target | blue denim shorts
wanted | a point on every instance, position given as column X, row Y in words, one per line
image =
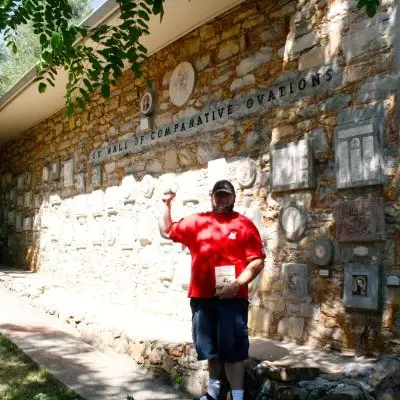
column 219, row 329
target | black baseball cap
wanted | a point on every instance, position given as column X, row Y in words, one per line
column 223, row 186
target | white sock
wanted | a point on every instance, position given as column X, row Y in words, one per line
column 237, row 394
column 214, row 387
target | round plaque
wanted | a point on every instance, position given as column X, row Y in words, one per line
column 246, row 173
column 322, row 251
column 293, row 222
column 147, row 103
column 181, row 84
column 148, row 186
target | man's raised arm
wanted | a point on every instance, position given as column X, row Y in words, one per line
column 164, row 220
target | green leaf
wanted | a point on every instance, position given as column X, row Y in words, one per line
column 81, row 103
column 14, row 48
column 361, row 4
column 70, row 109
column 56, row 40
column 105, row 91
column 144, row 15
column 47, row 57
column 42, row 87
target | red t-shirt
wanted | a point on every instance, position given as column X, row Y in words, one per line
column 217, row 240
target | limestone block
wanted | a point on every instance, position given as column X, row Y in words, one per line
column 232, row 31
column 186, row 157
column 295, row 327
column 201, row 63
column 271, row 33
column 294, row 46
column 313, row 58
column 251, row 63
column 242, row 82
column 281, row 132
column 154, row 166
column 287, row 9
column 367, row 37
column 228, row 49
column 171, row 160
column 377, row 88
column 205, row 153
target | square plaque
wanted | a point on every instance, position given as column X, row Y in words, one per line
column 358, row 154
column 18, row 222
column 295, row 281
column 27, row 199
column 360, row 220
column 361, row 286
column 69, row 173
column 55, row 170
column 97, row 175
column 292, row 166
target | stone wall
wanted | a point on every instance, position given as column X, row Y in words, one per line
column 80, row 196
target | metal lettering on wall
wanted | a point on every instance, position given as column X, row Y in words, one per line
column 358, row 155
column 286, row 89
column 360, row 220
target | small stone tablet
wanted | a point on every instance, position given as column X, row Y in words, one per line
column 322, row 251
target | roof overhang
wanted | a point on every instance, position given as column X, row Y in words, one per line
column 23, row 106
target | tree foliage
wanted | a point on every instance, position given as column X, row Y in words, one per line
column 14, row 66
column 94, row 58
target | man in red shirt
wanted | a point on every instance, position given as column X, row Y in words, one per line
column 227, row 254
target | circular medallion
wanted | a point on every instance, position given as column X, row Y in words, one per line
column 147, row 103
column 293, row 222
column 181, row 84
column 148, row 186
column 322, row 251
column 246, row 173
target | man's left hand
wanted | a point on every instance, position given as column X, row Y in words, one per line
column 226, row 292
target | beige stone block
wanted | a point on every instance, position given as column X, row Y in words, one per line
column 253, row 22
column 189, row 48
column 136, row 350
column 282, row 131
column 313, row 58
column 171, row 160
column 71, row 123
column 260, row 319
column 295, row 327
column 207, row 32
column 228, row 49
column 285, row 10
column 59, row 128
column 233, row 31
column 245, row 14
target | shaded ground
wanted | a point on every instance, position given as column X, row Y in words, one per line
column 21, row 378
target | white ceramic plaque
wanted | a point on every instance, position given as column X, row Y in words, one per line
column 148, row 186
column 128, row 188
column 181, row 84
column 246, row 172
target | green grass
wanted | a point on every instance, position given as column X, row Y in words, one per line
column 22, row 379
